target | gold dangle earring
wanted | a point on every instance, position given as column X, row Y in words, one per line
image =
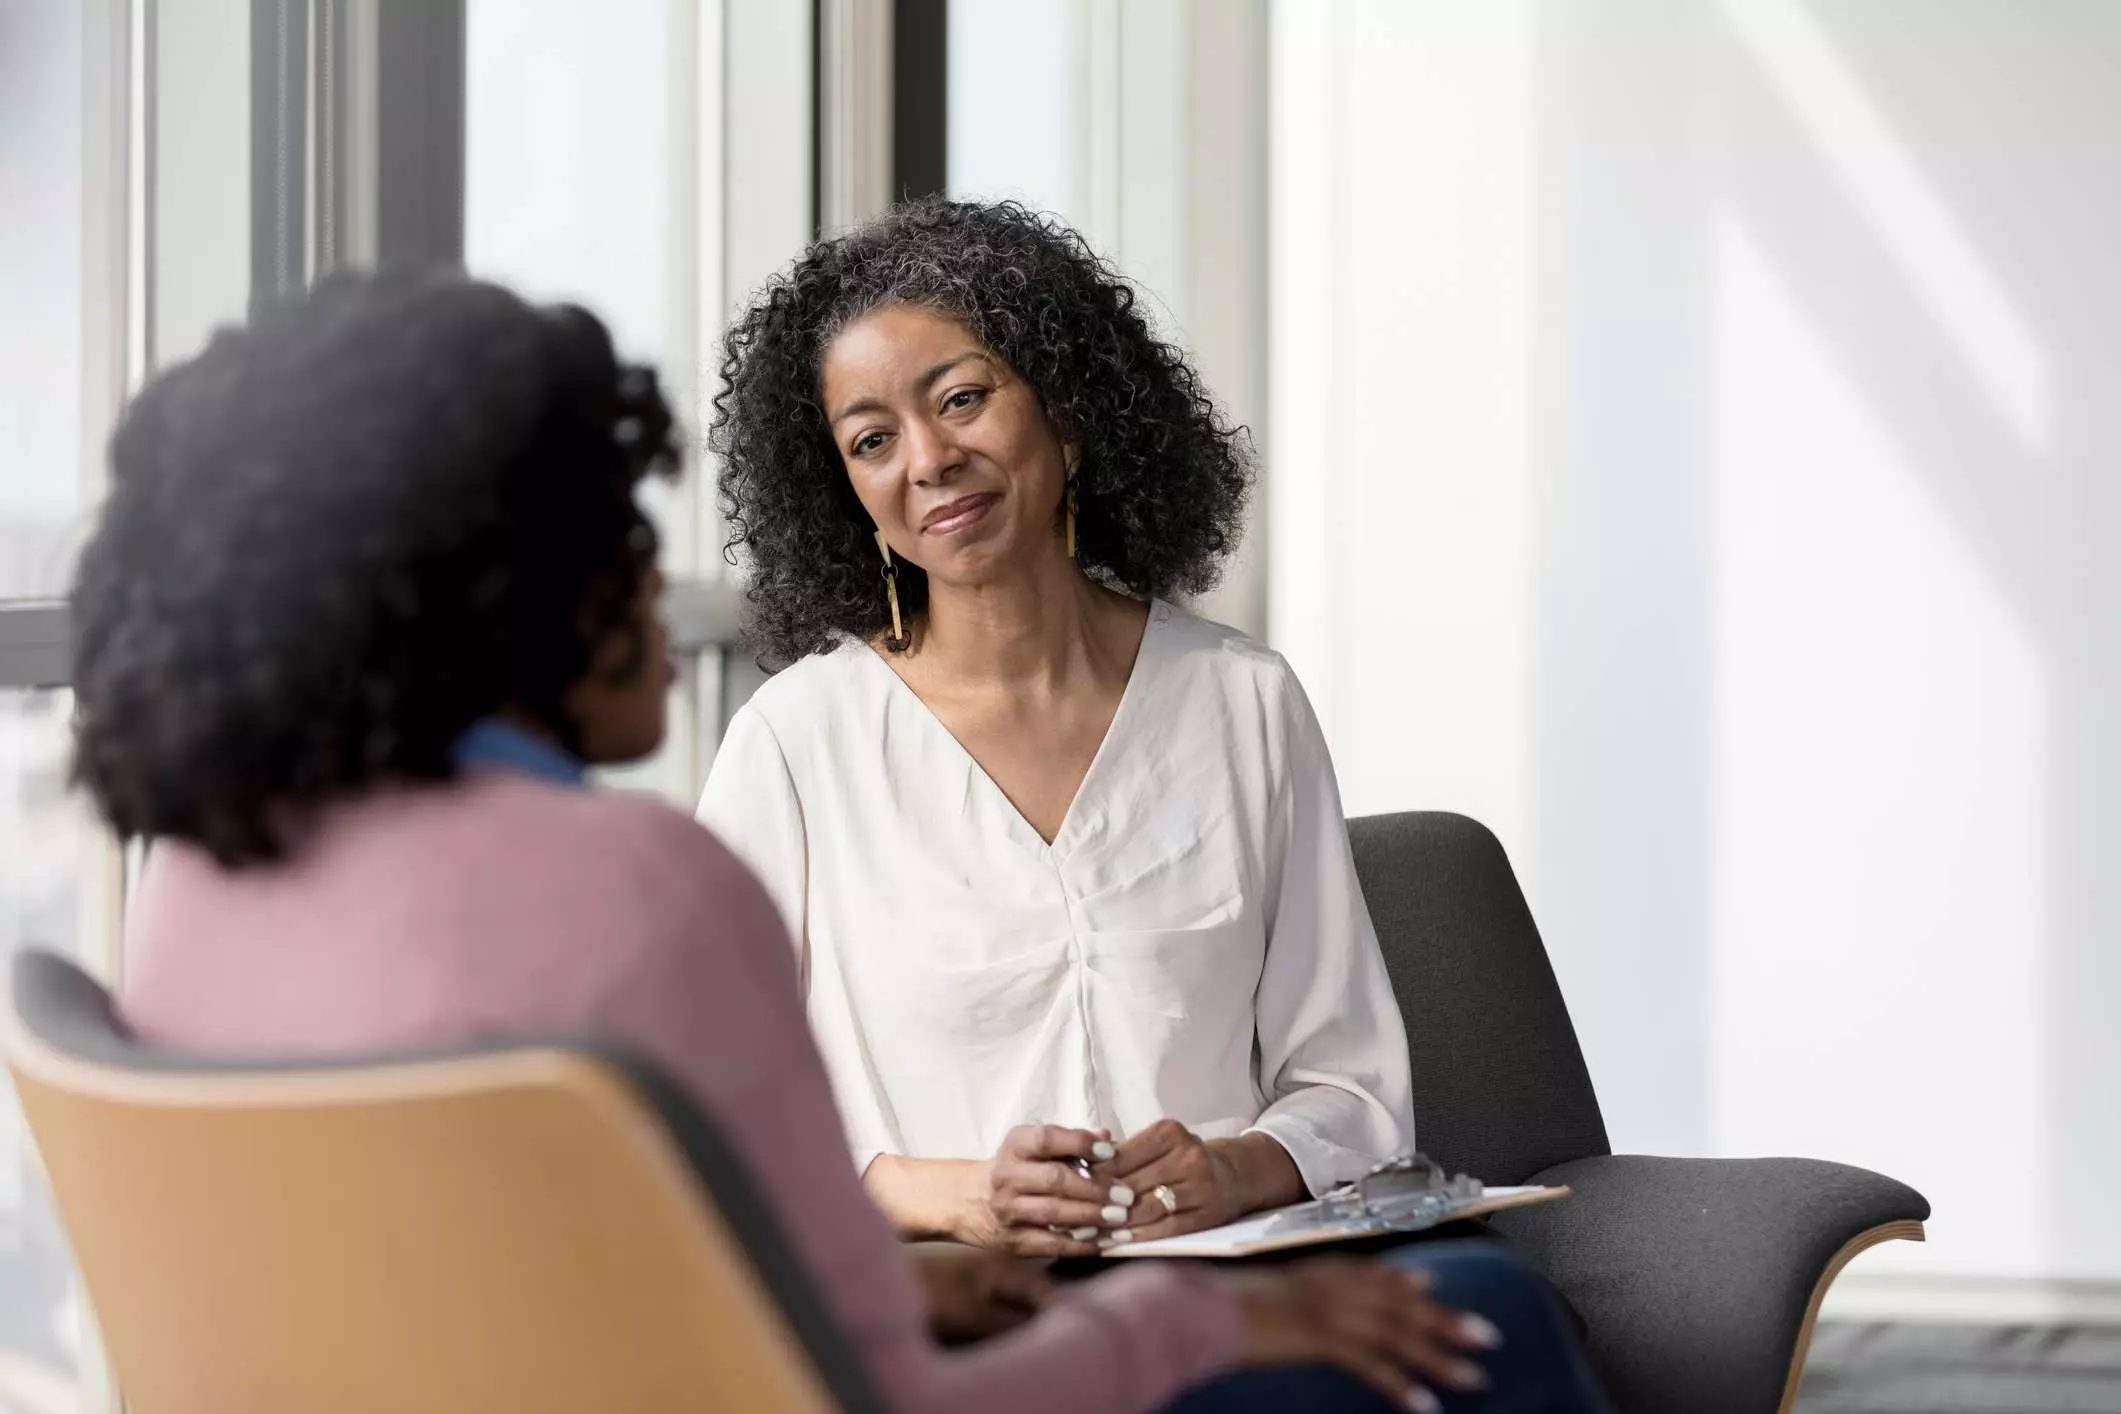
column 898, row 627
column 1071, row 513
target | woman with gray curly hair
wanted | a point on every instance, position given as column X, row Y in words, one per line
column 1065, row 861
column 1078, row 923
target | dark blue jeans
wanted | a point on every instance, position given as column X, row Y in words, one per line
column 1538, row 1370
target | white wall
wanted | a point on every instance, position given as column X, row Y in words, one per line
column 1694, row 434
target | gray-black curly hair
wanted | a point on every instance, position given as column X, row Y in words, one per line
column 1162, row 477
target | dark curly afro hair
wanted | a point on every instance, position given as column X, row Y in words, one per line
column 1162, row 479
column 342, row 534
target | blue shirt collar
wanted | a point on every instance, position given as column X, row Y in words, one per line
column 493, row 742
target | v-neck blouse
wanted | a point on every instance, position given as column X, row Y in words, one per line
column 1193, row 943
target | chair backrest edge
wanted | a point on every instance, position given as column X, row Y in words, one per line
column 1498, row 1067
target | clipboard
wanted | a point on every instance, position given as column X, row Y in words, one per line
column 1303, row 1225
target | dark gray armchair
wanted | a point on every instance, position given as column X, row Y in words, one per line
column 1699, row 1279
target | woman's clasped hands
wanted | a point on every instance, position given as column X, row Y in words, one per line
column 1055, row 1191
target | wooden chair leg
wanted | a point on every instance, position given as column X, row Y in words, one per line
column 1861, row 1242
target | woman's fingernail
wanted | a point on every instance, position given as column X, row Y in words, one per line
column 1122, row 1195
column 1480, row 1331
column 1103, row 1149
column 1081, row 1234
column 1114, row 1215
column 1119, row 1235
column 1423, row 1402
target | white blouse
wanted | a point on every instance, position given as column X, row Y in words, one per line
column 1193, row 943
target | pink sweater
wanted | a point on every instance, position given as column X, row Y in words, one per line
column 504, row 906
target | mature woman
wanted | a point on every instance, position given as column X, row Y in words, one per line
column 1066, row 864
column 370, row 592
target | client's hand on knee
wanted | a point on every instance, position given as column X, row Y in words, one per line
column 1375, row 1322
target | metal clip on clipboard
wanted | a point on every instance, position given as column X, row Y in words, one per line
column 1402, row 1194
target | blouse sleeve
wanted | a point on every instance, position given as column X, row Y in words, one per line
column 752, row 805
column 1332, row 1047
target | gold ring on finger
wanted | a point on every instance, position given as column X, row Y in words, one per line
column 1162, row 1193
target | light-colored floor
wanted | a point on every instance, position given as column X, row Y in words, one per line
column 1871, row 1368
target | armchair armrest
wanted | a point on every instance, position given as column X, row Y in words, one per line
column 1700, row 1279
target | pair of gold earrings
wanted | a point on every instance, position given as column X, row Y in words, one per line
column 898, row 624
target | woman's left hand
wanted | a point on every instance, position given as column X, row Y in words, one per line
column 1211, row 1181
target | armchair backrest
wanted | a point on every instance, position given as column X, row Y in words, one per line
column 519, row 1228
column 1500, row 1086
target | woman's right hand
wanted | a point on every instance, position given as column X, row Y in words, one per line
column 1376, row 1322
column 1036, row 1204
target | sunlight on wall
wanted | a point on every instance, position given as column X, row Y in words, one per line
column 1678, row 567
column 1878, row 176
column 1878, row 967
